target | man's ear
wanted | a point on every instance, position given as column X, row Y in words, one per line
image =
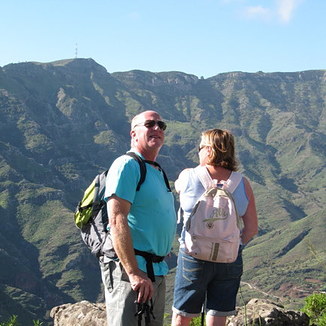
column 133, row 136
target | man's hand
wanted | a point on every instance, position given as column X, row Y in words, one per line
column 143, row 285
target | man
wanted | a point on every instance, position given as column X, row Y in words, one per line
column 144, row 220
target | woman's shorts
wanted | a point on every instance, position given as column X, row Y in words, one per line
column 197, row 278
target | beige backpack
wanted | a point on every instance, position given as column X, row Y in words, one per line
column 213, row 228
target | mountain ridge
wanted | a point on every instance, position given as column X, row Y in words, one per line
column 63, row 122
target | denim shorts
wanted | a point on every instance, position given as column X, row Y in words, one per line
column 196, row 279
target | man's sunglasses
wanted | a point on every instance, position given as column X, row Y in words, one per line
column 152, row 123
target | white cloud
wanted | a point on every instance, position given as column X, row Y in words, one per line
column 282, row 10
column 285, row 9
column 257, row 12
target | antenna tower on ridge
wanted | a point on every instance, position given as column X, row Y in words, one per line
column 76, row 50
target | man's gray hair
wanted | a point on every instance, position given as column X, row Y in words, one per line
column 135, row 120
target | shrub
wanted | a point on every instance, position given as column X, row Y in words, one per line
column 315, row 308
column 196, row 321
column 12, row 321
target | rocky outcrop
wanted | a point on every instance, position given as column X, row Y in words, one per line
column 257, row 312
column 82, row 313
column 262, row 312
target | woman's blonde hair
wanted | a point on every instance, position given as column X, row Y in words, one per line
column 223, row 148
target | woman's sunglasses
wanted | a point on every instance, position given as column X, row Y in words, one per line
column 152, row 123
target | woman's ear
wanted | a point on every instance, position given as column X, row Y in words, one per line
column 209, row 151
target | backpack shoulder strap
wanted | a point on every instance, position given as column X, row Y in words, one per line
column 203, row 176
column 142, row 166
column 143, row 170
column 164, row 174
column 233, row 181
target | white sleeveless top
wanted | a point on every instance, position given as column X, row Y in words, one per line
column 190, row 189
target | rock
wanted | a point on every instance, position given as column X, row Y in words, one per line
column 257, row 312
column 82, row 313
column 264, row 312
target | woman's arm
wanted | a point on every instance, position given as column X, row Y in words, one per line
column 250, row 219
column 181, row 183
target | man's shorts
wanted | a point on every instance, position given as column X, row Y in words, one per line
column 197, row 278
column 120, row 299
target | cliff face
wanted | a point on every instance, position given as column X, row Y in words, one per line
column 63, row 122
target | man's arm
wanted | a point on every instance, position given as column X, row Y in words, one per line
column 118, row 210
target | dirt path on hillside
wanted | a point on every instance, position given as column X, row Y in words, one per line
column 253, row 287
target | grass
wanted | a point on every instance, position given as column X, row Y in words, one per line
column 12, row 321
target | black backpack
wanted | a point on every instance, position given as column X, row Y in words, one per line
column 91, row 215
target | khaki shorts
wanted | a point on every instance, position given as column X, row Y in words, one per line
column 120, row 298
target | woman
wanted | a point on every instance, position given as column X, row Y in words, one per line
column 198, row 279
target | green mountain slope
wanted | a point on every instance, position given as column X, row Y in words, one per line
column 289, row 262
column 63, row 122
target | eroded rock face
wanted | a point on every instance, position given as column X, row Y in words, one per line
column 257, row 312
column 262, row 312
column 82, row 313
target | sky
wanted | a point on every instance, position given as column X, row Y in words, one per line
column 199, row 37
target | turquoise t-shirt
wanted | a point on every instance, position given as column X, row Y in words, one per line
column 152, row 216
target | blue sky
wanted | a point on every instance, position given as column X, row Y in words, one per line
column 200, row 37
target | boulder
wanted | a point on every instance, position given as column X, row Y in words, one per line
column 82, row 313
column 263, row 312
